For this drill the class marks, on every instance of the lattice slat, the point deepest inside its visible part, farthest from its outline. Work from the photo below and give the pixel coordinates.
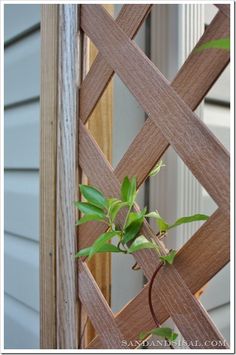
(187, 135)
(139, 161)
(129, 19)
(98, 172)
(192, 262)
(98, 310)
(186, 83)
(172, 122)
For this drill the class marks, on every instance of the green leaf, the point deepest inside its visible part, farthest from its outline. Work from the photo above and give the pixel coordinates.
(132, 229)
(133, 216)
(221, 43)
(106, 248)
(140, 243)
(87, 208)
(128, 190)
(88, 218)
(189, 219)
(83, 252)
(163, 332)
(152, 215)
(125, 187)
(169, 258)
(100, 241)
(156, 168)
(162, 224)
(93, 196)
(116, 208)
(132, 192)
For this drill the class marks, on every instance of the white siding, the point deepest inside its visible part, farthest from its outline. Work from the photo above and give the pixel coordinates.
(21, 178)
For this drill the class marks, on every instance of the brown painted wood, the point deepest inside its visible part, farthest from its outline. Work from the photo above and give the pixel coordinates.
(225, 9)
(197, 81)
(48, 122)
(100, 174)
(181, 127)
(67, 180)
(98, 309)
(149, 145)
(180, 287)
(129, 19)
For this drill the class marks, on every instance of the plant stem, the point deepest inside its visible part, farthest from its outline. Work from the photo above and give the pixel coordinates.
(150, 300)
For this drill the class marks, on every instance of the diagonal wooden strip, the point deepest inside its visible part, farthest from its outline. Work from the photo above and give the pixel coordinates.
(129, 19)
(181, 127)
(192, 262)
(149, 145)
(100, 173)
(187, 81)
(98, 309)
(225, 9)
(147, 259)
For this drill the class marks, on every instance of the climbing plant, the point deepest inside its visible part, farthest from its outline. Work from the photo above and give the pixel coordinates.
(126, 237)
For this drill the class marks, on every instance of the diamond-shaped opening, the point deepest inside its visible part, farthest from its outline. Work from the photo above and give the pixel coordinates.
(215, 297)
(89, 46)
(176, 193)
(125, 282)
(124, 117)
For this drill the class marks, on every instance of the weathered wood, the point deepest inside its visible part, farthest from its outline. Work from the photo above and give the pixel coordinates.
(129, 19)
(181, 127)
(98, 309)
(48, 122)
(67, 179)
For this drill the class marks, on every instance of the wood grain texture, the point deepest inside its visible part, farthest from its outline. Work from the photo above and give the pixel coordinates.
(181, 127)
(191, 85)
(98, 309)
(129, 19)
(100, 126)
(192, 264)
(201, 322)
(149, 145)
(67, 180)
(96, 168)
(48, 122)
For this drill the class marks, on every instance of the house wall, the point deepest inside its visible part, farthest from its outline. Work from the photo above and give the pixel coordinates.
(21, 175)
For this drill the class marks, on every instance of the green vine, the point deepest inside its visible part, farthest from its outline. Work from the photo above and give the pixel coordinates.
(129, 240)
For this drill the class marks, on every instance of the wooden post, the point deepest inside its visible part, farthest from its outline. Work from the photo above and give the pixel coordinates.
(48, 99)
(59, 176)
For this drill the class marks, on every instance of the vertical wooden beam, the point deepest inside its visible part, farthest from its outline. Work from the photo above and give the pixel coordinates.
(67, 179)
(48, 99)
(59, 177)
(100, 125)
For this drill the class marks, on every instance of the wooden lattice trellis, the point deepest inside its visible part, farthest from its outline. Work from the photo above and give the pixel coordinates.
(171, 121)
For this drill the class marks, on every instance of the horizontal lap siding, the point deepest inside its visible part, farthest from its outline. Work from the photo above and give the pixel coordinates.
(21, 178)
